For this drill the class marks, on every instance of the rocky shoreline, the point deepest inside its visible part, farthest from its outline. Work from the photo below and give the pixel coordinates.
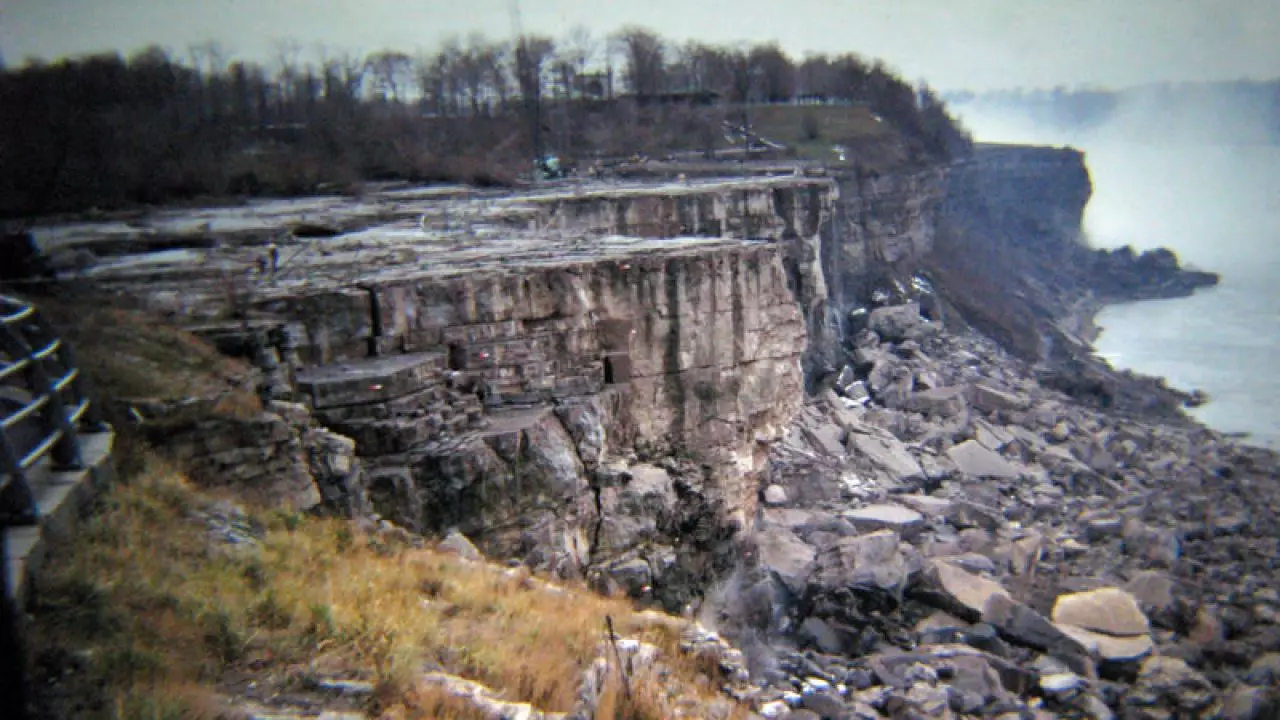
(944, 536)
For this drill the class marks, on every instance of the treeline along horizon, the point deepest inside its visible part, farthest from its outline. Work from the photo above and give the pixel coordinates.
(109, 130)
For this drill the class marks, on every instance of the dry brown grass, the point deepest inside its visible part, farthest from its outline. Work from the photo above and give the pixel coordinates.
(432, 702)
(162, 609)
(137, 355)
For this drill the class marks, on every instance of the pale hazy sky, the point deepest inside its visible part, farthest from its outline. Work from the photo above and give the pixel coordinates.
(953, 44)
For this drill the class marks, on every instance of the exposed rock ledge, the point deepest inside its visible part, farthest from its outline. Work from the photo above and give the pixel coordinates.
(603, 381)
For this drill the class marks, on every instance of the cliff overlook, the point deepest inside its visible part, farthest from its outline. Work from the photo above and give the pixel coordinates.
(848, 419)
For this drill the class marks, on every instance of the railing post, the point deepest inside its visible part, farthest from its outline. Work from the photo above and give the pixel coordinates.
(17, 502)
(45, 413)
(13, 656)
(66, 451)
(93, 419)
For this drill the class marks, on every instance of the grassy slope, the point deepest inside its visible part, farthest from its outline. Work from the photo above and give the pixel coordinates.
(172, 618)
(869, 142)
(160, 620)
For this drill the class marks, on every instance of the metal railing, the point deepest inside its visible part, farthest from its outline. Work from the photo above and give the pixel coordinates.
(43, 405)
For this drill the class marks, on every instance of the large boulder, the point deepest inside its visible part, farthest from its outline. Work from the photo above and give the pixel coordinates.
(1158, 547)
(775, 495)
(873, 562)
(975, 598)
(941, 402)
(967, 668)
(1265, 671)
(1110, 648)
(984, 397)
(957, 591)
(1106, 610)
(1155, 593)
(1025, 626)
(1252, 703)
(927, 505)
(972, 458)
(888, 454)
(1108, 622)
(457, 543)
(898, 322)
(786, 556)
(901, 520)
(970, 514)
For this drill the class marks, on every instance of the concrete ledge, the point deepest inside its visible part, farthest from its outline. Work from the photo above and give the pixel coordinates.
(61, 500)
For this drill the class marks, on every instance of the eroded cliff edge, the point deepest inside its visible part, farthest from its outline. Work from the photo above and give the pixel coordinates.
(763, 393)
(591, 379)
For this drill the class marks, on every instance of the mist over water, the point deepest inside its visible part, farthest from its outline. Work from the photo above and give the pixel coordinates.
(1218, 207)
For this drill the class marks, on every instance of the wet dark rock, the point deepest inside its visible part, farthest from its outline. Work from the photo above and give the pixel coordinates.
(1124, 274)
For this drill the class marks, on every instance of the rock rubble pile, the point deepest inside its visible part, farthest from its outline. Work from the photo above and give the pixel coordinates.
(942, 536)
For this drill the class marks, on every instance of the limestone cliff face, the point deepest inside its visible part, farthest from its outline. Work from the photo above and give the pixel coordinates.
(1033, 197)
(884, 225)
(505, 401)
(510, 365)
(1009, 253)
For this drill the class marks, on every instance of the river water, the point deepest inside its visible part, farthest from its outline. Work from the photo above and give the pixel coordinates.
(1218, 207)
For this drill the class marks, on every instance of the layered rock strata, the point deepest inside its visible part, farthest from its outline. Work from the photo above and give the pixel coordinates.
(505, 364)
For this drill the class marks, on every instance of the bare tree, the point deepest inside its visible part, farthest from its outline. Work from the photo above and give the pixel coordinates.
(107, 131)
(342, 77)
(433, 82)
(392, 72)
(578, 50)
(495, 61)
(532, 54)
(449, 63)
(644, 55)
(773, 72)
(287, 58)
(813, 77)
(472, 71)
(738, 65)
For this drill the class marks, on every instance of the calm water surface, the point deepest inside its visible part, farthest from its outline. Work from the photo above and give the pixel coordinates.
(1219, 209)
